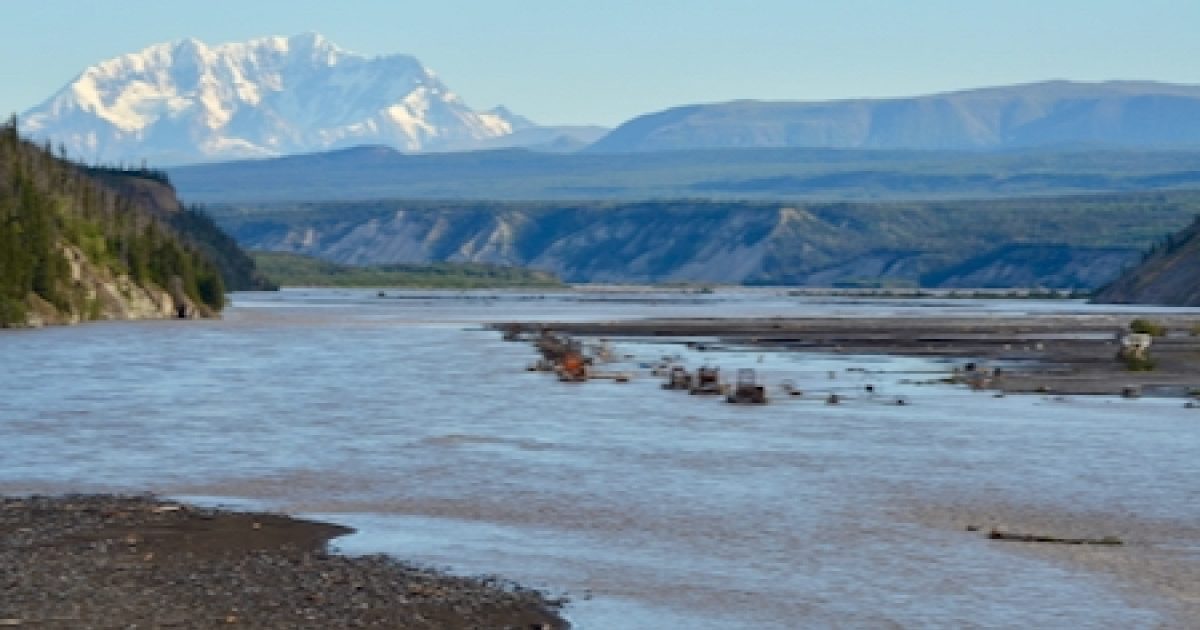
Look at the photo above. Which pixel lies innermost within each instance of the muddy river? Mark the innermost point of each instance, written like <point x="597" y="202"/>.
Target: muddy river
<point x="403" y="417"/>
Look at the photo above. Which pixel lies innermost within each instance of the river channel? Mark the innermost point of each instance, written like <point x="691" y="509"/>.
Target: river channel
<point x="402" y="416"/>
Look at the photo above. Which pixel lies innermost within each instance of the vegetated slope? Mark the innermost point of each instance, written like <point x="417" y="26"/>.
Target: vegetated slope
<point x="1168" y="274"/>
<point x="152" y="191"/>
<point x="380" y="172"/>
<point x="1054" y="113"/>
<point x="733" y="242"/>
<point x="295" y="270"/>
<point x="76" y="246"/>
<point x="187" y="101"/>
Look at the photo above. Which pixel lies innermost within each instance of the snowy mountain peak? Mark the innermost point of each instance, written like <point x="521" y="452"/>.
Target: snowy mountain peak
<point x="516" y="120"/>
<point x="188" y="101"/>
<point x="311" y="39"/>
<point x="315" y="47"/>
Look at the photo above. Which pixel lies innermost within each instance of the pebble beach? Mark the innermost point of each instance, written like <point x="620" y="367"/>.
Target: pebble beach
<point x="104" y="561"/>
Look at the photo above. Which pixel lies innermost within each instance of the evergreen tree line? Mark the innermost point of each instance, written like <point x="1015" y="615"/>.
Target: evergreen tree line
<point x="47" y="204"/>
<point x="1173" y="241"/>
<point x="152" y="174"/>
<point x="238" y="269"/>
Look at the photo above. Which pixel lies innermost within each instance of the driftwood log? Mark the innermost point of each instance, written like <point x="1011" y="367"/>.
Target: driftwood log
<point x="996" y="534"/>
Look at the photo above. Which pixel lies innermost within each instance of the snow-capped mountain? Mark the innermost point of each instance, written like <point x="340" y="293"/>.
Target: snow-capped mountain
<point x="186" y="101"/>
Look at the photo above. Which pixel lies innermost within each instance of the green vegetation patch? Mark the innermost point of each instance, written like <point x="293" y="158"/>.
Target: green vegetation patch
<point x="1148" y="327"/>
<point x="296" y="270"/>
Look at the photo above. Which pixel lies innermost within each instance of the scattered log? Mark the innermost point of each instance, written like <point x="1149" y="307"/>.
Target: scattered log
<point x="996" y="534"/>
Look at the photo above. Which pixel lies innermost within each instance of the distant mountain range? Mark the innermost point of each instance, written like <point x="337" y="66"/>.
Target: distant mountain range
<point x="185" y="102"/>
<point x="1115" y="114"/>
<point x="379" y="172"/>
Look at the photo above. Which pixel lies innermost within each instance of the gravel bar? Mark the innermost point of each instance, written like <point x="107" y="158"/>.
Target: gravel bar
<point x="1046" y="354"/>
<point x="103" y="561"/>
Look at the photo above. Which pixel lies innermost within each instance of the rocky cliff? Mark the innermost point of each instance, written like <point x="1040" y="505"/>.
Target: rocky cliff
<point x="1168" y="275"/>
<point x="1068" y="242"/>
<point x="107" y="294"/>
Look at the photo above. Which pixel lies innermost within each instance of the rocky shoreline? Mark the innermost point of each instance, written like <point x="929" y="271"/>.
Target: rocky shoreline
<point x="103" y="561"/>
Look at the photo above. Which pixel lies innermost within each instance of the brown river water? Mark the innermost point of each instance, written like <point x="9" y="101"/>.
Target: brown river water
<point x="406" y="419"/>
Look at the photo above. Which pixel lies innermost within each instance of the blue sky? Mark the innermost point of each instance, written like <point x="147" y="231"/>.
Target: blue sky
<point x="604" y="61"/>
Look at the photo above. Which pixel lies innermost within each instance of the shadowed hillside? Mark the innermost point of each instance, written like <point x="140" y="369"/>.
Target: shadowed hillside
<point x="1169" y="274"/>
<point x="79" y="244"/>
<point x="365" y="173"/>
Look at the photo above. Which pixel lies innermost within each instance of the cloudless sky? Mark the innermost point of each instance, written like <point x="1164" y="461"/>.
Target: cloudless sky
<point x="604" y="61"/>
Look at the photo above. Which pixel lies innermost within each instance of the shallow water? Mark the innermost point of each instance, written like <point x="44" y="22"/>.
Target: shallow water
<point x="402" y="417"/>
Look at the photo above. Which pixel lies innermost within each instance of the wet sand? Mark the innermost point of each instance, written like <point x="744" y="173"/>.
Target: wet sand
<point x="1156" y="559"/>
<point x="1061" y="354"/>
<point x="116" y="561"/>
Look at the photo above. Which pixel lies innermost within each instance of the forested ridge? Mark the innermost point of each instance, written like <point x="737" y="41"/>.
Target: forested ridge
<point x="62" y="227"/>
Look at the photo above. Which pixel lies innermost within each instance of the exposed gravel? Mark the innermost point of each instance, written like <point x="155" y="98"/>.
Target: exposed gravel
<point x="1059" y="354"/>
<point x="99" y="561"/>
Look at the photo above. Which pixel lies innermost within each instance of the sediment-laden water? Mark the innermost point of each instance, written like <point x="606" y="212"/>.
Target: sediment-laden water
<point x="403" y="417"/>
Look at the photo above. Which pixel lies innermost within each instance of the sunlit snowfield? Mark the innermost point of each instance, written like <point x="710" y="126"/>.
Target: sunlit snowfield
<point x="403" y="417"/>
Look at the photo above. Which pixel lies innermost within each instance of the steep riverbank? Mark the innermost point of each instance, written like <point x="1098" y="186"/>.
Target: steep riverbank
<point x="106" y="561"/>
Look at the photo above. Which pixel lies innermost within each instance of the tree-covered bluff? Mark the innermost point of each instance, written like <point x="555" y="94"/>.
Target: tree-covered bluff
<point x="79" y="244"/>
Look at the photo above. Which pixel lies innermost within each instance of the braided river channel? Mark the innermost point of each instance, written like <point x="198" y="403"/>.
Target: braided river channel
<point x="404" y="417"/>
